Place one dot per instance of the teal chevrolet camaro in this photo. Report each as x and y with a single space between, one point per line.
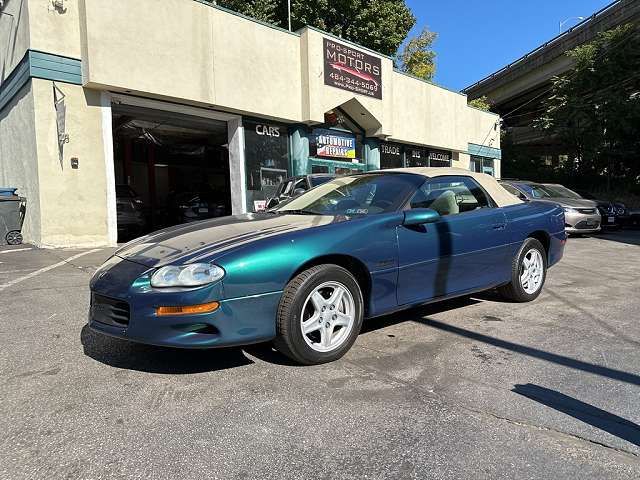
307 273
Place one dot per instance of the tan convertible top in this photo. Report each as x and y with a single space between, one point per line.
490 184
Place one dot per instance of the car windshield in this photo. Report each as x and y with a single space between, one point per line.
315 181
562 192
536 190
366 194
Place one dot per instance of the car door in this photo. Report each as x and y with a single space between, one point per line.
465 250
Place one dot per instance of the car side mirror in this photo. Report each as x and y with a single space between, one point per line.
420 216
298 191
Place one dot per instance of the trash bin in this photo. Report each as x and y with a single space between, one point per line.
12 210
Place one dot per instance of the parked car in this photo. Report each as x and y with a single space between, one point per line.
617 213
307 273
129 211
581 216
294 186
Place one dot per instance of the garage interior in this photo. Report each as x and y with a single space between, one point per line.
170 169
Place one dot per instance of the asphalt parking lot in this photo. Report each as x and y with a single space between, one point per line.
472 388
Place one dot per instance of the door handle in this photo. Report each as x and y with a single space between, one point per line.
499 226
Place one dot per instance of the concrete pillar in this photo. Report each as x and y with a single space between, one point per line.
235 140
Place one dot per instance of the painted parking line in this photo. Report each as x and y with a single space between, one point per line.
15 250
45 269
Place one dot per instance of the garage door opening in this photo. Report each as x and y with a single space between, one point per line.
170 169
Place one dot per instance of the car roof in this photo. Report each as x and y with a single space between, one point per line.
489 183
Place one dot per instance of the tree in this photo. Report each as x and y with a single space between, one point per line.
481 103
595 110
417 56
381 25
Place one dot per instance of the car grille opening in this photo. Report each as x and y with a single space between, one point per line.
201 328
583 225
109 311
587 211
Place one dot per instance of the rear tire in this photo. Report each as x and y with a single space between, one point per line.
319 316
528 273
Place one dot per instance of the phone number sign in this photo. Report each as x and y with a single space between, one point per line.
351 69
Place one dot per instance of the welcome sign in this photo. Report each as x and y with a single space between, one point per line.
335 145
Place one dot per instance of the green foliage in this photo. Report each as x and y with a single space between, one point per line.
380 25
417 56
595 108
481 103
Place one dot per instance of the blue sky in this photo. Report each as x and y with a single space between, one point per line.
476 38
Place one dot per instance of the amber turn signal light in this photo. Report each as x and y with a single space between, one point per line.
188 309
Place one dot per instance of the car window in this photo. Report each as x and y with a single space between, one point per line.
287 188
512 190
302 183
356 195
562 191
319 180
450 195
535 190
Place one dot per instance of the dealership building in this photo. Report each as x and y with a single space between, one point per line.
176 101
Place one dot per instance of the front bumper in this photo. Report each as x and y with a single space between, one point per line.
124 305
576 222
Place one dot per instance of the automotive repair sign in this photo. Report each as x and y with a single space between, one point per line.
331 144
351 69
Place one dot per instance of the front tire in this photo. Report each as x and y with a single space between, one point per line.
528 273
320 315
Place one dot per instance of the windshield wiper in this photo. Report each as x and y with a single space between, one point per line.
299 211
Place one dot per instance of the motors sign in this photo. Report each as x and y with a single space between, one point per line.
351 69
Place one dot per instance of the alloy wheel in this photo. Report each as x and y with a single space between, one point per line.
532 271
328 316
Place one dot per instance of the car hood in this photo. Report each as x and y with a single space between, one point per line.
575 202
194 241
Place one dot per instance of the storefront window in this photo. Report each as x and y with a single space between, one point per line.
266 157
396 155
439 158
482 165
417 157
391 155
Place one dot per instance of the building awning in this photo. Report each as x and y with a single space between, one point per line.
484 151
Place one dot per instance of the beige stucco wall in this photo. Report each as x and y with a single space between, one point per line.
55 30
14 35
73 202
188 53
193 53
18 157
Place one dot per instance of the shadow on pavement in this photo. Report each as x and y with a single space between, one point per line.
536 353
145 358
630 237
377 323
610 423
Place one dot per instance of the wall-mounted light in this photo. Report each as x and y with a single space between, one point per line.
58 6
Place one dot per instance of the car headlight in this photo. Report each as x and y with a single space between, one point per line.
620 210
193 275
569 210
